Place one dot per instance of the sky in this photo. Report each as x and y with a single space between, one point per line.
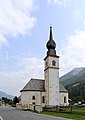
24 32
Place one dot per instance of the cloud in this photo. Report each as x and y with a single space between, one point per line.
15 18
58 2
12 82
3 41
72 54
14 79
32 66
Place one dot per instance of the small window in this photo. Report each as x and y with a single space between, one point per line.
33 98
53 63
65 99
43 99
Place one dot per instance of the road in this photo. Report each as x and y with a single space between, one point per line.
8 113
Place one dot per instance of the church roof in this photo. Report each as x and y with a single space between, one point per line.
34 85
39 85
62 88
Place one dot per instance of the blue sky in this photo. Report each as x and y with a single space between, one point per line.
24 31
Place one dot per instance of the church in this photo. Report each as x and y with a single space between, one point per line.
39 93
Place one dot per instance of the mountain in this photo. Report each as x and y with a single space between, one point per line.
74 82
74 76
3 94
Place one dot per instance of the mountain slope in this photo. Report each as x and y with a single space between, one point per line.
74 81
77 91
3 94
74 76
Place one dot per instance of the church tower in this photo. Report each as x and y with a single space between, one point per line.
51 73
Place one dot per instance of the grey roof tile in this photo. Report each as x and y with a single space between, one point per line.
62 88
35 84
39 85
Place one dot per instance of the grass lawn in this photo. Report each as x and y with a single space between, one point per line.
66 115
79 110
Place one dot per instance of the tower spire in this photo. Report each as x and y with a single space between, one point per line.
51 45
51 36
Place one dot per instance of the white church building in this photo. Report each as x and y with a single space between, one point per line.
39 93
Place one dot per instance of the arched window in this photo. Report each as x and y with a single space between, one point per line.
33 97
53 63
65 99
43 99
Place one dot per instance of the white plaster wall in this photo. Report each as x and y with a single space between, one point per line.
51 75
46 86
53 87
44 94
62 95
26 98
49 61
37 97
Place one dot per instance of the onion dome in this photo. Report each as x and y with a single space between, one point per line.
51 45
